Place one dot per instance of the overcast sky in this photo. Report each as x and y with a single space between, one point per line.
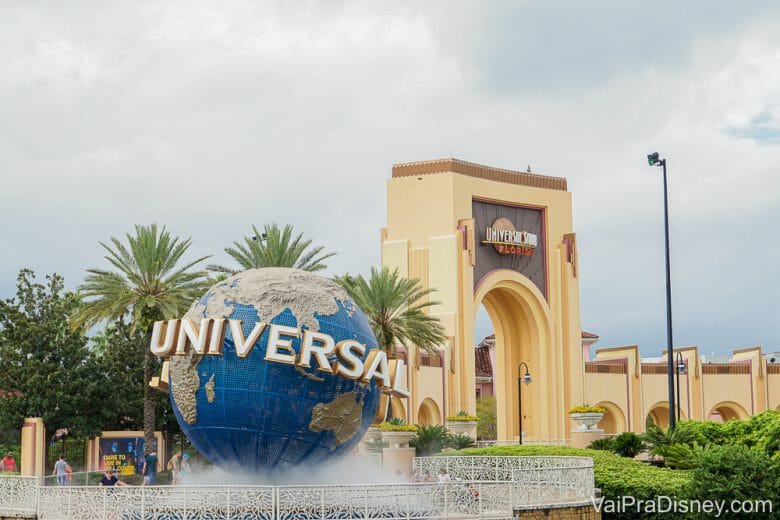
209 117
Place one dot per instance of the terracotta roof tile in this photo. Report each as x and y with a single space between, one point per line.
482 365
589 335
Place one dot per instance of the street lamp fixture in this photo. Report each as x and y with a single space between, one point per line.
654 159
522 378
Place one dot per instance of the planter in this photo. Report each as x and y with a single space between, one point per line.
372 440
397 439
463 427
586 421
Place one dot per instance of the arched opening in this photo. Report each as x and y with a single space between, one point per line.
429 414
727 411
613 421
484 361
397 409
520 318
659 415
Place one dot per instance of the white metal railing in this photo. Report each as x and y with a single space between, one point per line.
18 494
535 480
527 442
486 500
480 487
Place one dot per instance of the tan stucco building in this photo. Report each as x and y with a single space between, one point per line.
506 240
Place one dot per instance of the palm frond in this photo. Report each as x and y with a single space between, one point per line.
275 247
395 307
149 281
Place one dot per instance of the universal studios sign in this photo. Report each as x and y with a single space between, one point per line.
507 240
318 350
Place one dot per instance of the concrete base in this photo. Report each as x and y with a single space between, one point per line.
582 438
396 460
584 511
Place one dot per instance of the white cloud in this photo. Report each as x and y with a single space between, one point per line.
211 117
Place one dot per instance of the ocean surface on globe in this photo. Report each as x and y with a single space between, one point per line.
256 415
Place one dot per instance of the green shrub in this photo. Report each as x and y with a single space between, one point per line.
606 444
737 473
390 426
658 440
628 444
429 440
684 456
486 418
616 476
761 431
460 441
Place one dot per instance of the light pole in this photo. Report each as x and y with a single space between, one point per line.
654 160
681 370
521 378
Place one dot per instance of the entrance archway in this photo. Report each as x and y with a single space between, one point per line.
659 413
429 414
726 411
613 421
397 409
521 321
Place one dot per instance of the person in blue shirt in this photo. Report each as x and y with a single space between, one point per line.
150 468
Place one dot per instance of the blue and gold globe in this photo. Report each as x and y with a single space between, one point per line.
256 415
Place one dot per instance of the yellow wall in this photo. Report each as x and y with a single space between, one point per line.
423 241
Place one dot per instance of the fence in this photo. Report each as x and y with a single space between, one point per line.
480 487
547 442
535 480
18 494
485 500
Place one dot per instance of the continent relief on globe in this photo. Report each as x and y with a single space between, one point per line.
271 291
341 416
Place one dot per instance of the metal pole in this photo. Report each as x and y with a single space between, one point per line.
677 369
669 342
520 405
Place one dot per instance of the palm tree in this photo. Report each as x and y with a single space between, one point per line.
274 247
395 307
150 283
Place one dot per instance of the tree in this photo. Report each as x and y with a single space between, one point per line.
274 247
395 307
117 350
486 417
47 370
150 282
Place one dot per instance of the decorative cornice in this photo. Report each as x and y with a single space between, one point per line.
480 172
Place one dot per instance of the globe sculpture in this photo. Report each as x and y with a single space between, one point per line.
255 415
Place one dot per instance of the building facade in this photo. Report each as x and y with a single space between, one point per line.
504 239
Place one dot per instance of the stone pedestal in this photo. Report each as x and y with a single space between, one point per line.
395 460
371 441
582 438
33 463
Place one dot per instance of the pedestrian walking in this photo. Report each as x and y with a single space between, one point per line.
150 468
186 470
61 470
174 466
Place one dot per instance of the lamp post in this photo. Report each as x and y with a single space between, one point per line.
654 160
681 370
521 378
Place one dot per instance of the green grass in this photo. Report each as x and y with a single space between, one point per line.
616 476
